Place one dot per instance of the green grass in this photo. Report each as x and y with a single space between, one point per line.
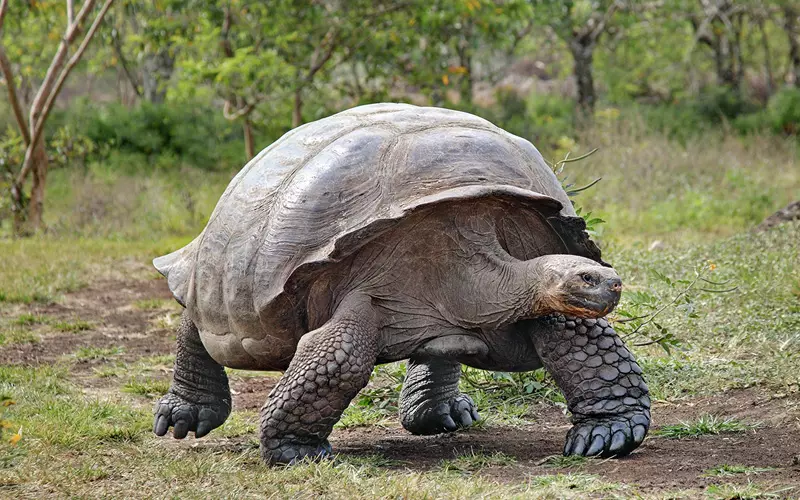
95 353
73 326
362 416
17 336
733 470
705 425
42 269
30 319
146 388
746 492
155 304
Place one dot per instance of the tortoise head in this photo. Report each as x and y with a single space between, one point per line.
574 285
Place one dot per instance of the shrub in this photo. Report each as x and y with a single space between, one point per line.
784 111
195 133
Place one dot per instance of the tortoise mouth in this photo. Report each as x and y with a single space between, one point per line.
592 305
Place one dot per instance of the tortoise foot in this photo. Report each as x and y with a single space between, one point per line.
289 451
455 413
608 436
172 410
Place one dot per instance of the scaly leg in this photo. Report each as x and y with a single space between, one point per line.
601 381
199 399
430 402
330 366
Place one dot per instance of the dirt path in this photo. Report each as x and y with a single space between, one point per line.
118 319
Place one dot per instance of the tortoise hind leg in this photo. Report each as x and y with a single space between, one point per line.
330 366
430 402
199 399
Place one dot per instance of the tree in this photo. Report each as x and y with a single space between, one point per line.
35 162
580 24
140 42
719 26
792 29
260 55
454 44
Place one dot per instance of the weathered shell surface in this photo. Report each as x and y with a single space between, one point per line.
325 188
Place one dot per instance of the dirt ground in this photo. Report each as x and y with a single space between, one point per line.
659 464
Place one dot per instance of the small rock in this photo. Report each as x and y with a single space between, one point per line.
656 245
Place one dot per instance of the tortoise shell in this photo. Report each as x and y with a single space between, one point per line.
325 189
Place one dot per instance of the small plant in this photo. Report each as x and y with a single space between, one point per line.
637 317
537 384
705 425
733 470
361 416
72 326
473 462
17 336
95 353
743 492
29 320
151 304
146 388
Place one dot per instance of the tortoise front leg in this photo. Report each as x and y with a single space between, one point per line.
430 401
330 366
601 381
199 399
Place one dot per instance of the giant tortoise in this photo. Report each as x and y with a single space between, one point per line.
391 232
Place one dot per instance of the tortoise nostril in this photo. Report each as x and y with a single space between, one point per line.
614 284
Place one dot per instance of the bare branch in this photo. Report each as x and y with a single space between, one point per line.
244 111
602 22
45 89
124 63
8 74
317 60
38 127
70 12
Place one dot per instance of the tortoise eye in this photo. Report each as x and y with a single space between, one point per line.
588 278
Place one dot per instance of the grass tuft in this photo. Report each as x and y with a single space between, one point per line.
95 353
146 388
705 425
72 326
733 470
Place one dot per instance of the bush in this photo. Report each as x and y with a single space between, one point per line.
784 111
718 104
197 134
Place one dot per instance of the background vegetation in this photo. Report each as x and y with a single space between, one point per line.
693 106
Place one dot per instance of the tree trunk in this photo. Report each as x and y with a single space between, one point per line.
790 24
583 56
737 54
465 61
36 202
767 58
156 72
247 128
18 203
297 111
